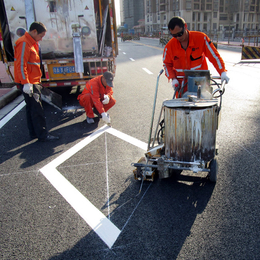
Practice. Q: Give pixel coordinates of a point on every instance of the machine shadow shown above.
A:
(159, 218)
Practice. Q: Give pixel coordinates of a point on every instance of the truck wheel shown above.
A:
(213, 166)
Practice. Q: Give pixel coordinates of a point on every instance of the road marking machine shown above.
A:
(185, 133)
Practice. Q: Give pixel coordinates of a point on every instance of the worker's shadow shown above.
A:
(154, 224)
(17, 141)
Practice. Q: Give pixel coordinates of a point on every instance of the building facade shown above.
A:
(204, 15)
(133, 11)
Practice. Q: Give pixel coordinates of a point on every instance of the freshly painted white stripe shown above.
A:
(104, 228)
(148, 71)
(127, 138)
(131, 59)
(124, 52)
(11, 114)
(66, 155)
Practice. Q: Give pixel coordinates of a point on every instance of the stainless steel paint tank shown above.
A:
(190, 129)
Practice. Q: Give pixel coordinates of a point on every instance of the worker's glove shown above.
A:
(28, 89)
(105, 117)
(106, 99)
(224, 77)
(175, 83)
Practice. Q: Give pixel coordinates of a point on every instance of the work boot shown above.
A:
(49, 138)
(90, 120)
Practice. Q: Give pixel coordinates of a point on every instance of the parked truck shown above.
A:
(80, 43)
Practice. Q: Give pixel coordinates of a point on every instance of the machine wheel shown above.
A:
(213, 166)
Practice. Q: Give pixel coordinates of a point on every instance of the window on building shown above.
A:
(52, 6)
(237, 19)
(164, 17)
(193, 17)
(205, 17)
(196, 7)
(204, 27)
(223, 17)
(214, 26)
(158, 17)
(147, 19)
(209, 7)
(252, 8)
(198, 17)
(215, 15)
(188, 5)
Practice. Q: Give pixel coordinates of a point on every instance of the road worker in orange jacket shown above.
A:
(27, 72)
(98, 94)
(187, 50)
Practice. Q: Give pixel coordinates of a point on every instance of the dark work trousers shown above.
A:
(35, 114)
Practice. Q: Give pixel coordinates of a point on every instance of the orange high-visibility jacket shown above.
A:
(176, 59)
(97, 91)
(27, 60)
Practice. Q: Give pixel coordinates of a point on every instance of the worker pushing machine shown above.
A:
(98, 94)
(187, 50)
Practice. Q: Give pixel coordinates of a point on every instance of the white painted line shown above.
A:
(148, 71)
(124, 52)
(11, 114)
(66, 155)
(104, 228)
(131, 59)
(128, 138)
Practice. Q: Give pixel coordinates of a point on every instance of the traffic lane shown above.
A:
(71, 128)
(137, 93)
(180, 241)
(67, 242)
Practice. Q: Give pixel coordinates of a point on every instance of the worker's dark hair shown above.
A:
(176, 20)
(38, 26)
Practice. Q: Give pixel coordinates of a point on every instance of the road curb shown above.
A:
(9, 97)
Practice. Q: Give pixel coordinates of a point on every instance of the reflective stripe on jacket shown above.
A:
(97, 91)
(27, 60)
(176, 59)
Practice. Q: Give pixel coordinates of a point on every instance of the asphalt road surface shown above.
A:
(76, 198)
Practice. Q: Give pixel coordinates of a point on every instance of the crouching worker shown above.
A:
(98, 94)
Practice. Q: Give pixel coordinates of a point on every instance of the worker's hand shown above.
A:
(105, 117)
(28, 89)
(106, 99)
(175, 83)
(224, 77)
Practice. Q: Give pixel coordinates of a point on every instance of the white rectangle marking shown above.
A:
(131, 59)
(127, 138)
(104, 228)
(147, 71)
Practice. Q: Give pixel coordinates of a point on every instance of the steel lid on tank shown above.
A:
(190, 102)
